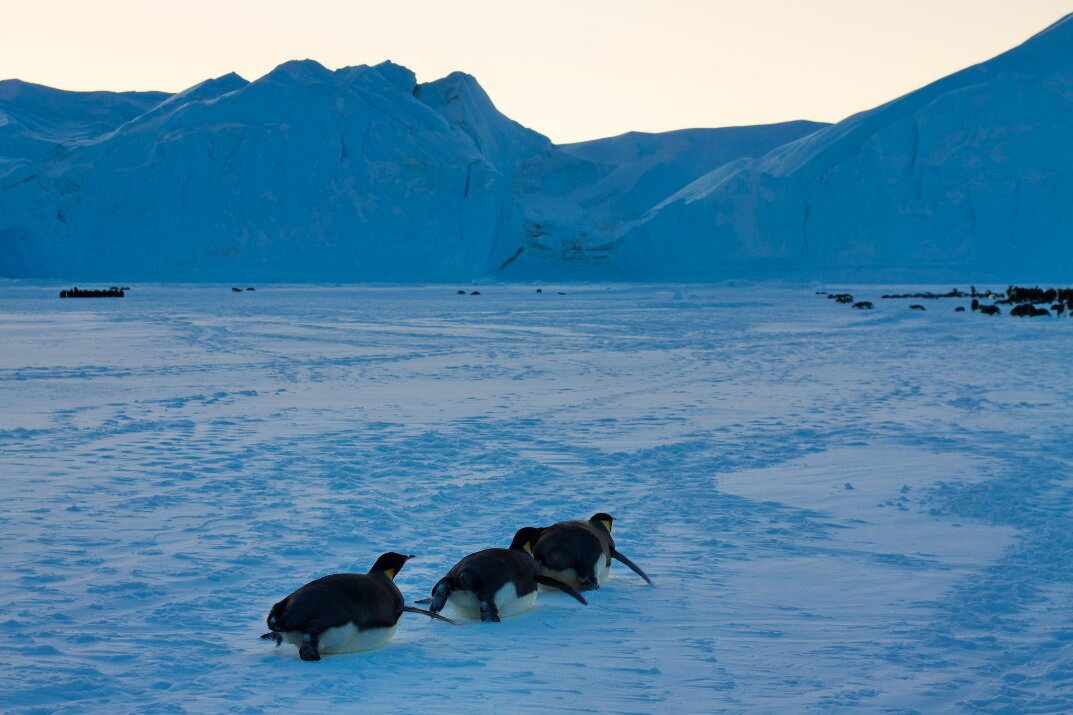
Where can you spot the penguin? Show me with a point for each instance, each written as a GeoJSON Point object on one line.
{"type": "Point", "coordinates": [496, 583]}
{"type": "Point", "coordinates": [343, 612]}
{"type": "Point", "coordinates": [579, 552]}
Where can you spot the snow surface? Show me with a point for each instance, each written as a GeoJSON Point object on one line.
{"type": "Point", "coordinates": [841, 510]}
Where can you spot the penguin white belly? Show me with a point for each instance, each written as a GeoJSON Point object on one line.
{"type": "Point", "coordinates": [602, 569]}
{"type": "Point", "coordinates": [346, 639]}
{"type": "Point", "coordinates": [508, 602]}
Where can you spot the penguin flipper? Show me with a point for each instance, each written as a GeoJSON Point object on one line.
{"type": "Point", "coordinates": [633, 567]}
{"type": "Point", "coordinates": [273, 637]}
{"type": "Point", "coordinates": [423, 612]}
{"type": "Point", "coordinates": [568, 590]}
{"type": "Point", "coordinates": [423, 600]}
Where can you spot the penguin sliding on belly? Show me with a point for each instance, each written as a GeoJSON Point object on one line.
{"type": "Point", "coordinates": [496, 583]}
{"type": "Point", "coordinates": [579, 553]}
{"type": "Point", "coordinates": [343, 612]}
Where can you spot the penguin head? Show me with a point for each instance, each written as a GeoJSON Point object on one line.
{"type": "Point", "coordinates": [525, 539]}
{"type": "Point", "coordinates": [603, 519]}
{"type": "Point", "coordinates": [390, 564]}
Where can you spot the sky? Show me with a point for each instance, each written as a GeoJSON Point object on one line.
{"type": "Point", "coordinates": [571, 69]}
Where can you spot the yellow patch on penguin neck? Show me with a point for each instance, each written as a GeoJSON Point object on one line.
{"type": "Point", "coordinates": [607, 525]}
{"type": "Point", "coordinates": [528, 547]}
{"type": "Point", "coordinates": [391, 573]}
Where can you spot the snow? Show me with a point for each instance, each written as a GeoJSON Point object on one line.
{"type": "Point", "coordinates": [35, 120]}
{"type": "Point", "coordinates": [840, 510]}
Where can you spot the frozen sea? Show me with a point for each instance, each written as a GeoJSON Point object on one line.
{"type": "Point", "coordinates": [841, 510]}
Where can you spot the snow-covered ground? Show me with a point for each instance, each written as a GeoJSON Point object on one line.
{"type": "Point", "coordinates": [840, 509]}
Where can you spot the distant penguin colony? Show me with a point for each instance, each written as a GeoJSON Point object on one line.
{"type": "Point", "coordinates": [1027, 302]}
{"type": "Point", "coordinates": [349, 612]}
{"type": "Point", "coordinates": [539, 291]}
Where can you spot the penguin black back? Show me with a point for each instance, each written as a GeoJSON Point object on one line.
{"type": "Point", "coordinates": [580, 552]}
{"type": "Point", "coordinates": [494, 582]}
{"type": "Point", "coordinates": [342, 612]}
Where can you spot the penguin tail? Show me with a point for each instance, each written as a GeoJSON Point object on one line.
{"type": "Point", "coordinates": [273, 636]}
{"type": "Point", "coordinates": [275, 616]}
{"type": "Point", "coordinates": [440, 592]}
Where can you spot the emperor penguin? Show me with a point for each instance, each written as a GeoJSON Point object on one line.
{"type": "Point", "coordinates": [343, 612]}
{"type": "Point", "coordinates": [496, 583]}
{"type": "Point", "coordinates": [579, 553]}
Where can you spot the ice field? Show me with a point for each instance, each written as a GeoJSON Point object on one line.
{"type": "Point", "coordinates": [841, 510]}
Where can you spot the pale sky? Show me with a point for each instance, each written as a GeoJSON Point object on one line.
{"type": "Point", "coordinates": [571, 69]}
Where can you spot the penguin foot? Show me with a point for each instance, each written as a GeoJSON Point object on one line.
{"type": "Point", "coordinates": [489, 614]}
{"type": "Point", "coordinates": [308, 650]}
